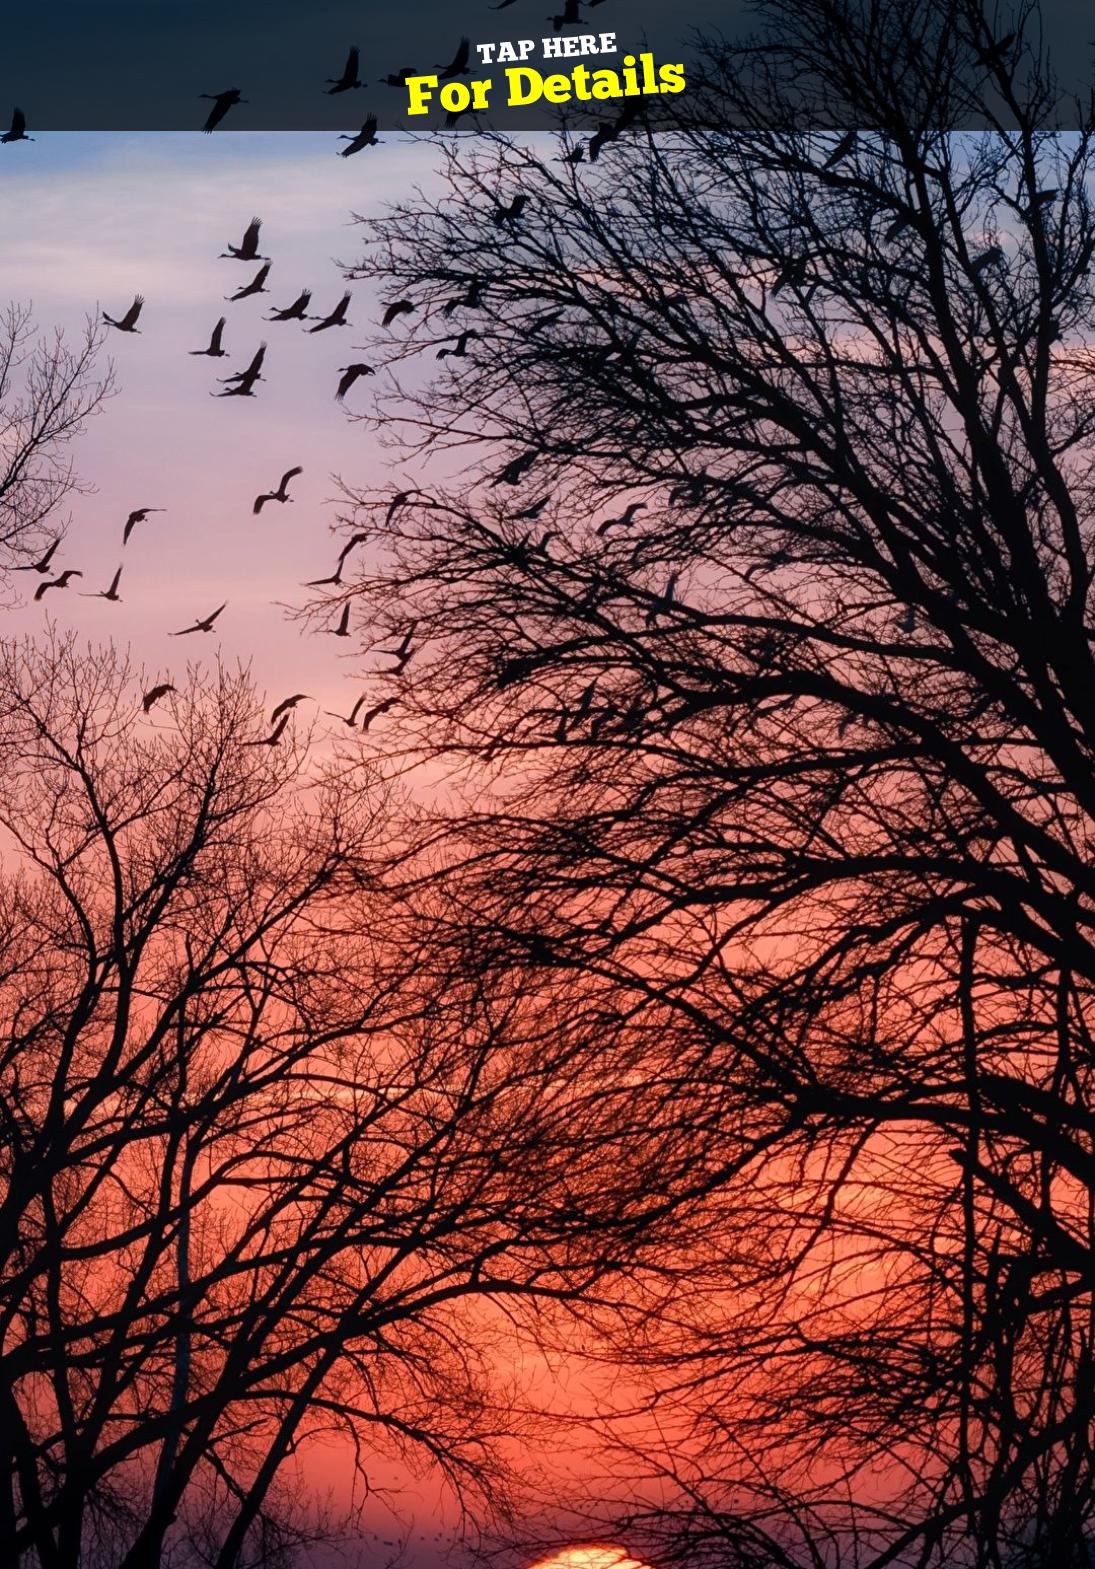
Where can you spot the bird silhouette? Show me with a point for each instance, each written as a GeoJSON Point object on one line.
{"type": "Point", "coordinates": [281, 494]}
{"type": "Point", "coordinates": [18, 131]}
{"type": "Point", "coordinates": [397, 308]}
{"type": "Point", "coordinates": [460, 350]}
{"type": "Point", "coordinates": [348, 375]}
{"type": "Point", "coordinates": [275, 735]}
{"type": "Point", "coordinates": [248, 248]}
{"type": "Point", "coordinates": [990, 258]}
{"type": "Point", "coordinates": [154, 694]}
{"type": "Point", "coordinates": [287, 703]}
{"type": "Point", "coordinates": [256, 286]}
{"type": "Point", "coordinates": [42, 564]}
{"type": "Point", "coordinates": [400, 499]}
{"type": "Point", "coordinates": [215, 351]}
{"type": "Point", "coordinates": [57, 582]}
{"type": "Point", "coordinates": [336, 318]}
{"type": "Point", "coordinates": [505, 4]}
{"type": "Point", "coordinates": [137, 517]}
{"type": "Point", "coordinates": [511, 213]}
{"type": "Point", "coordinates": [403, 654]}
{"type": "Point", "coordinates": [793, 271]}
{"type": "Point", "coordinates": [294, 312]}
{"type": "Point", "coordinates": [343, 628]}
{"type": "Point", "coordinates": [352, 720]}
{"type": "Point", "coordinates": [251, 374]}
{"type": "Point", "coordinates": [349, 78]}
{"type": "Point", "coordinates": [458, 65]}
{"type": "Point", "coordinates": [222, 102]}
{"type": "Point", "coordinates": [533, 512]}
{"type": "Point", "coordinates": [336, 578]}
{"type": "Point", "coordinates": [575, 155]}
{"type": "Point", "coordinates": [401, 78]}
{"type": "Point", "coordinates": [629, 513]}
{"type": "Point", "coordinates": [366, 137]}
{"type": "Point", "coordinates": [469, 302]}
{"type": "Point", "coordinates": [843, 149]}
{"type": "Point", "coordinates": [994, 54]}
{"type": "Point", "coordinates": [608, 133]}
{"type": "Point", "coordinates": [110, 593]}
{"type": "Point", "coordinates": [515, 469]}
{"type": "Point", "coordinates": [375, 712]}
{"type": "Point", "coordinates": [567, 17]}
{"type": "Point", "coordinates": [245, 389]}
{"type": "Point", "coordinates": [128, 322]}
{"type": "Point", "coordinates": [205, 624]}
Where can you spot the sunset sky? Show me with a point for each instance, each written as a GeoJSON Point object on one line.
{"type": "Point", "coordinates": [103, 217]}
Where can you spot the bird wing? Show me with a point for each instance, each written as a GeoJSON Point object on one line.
{"type": "Point", "coordinates": [346, 380]}
{"type": "Point", "coordinates": [210, 619]}
{"type": "Point", "coordinates": [260, 502]}
{"type": "Point", "coordinates": [18, 123]}
{"type": "Point", "coordinates": [368, 130]}
{"type": "Point", "coordinates": [218, 330]}
{"type": "Point", "coordinates": [216, 115]}
{"type": "Point", "coordinates": [288, 475]}
{"type": "Point", "coordinates": [352, 61]}
{"type": "Point", "coordinates": [251, 236]}
{"type": "Point", "coordinates": [356, 709]}
{"type": "Point", "coordinates": [130, 317]}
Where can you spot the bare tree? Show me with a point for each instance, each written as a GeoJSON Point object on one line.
{"type": "Point", "coordinates": [762, 630]}
{"type": "Point", "coordinates": [48, 391]}
{"type": "Point", "coordinates": [264, 1166]}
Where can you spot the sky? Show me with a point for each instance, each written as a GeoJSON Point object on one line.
{"type": "Point", "coordinates": [93, 219]}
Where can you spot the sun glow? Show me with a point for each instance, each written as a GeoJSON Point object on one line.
{"type": "Point", "coordinates": [591, 1556]}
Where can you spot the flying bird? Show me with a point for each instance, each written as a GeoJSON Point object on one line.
{"type": "Point", "coordinates": [375, 713]}
{"type": "Point", "coordinates": [575, 155]}
{"type": "Point", "coordinates": [343, 628]}
{"type": "Point", "coordinates": [348, 375]}
{"type": "Point", "coordinates": [42, 564]}
{"type": "Point", "coordinates": [251, 374]}
{"type": "Point", "coordinates": [461, 349]}
{"type": "Point", "coordinates": [398, 308]}
{"type": "Point", "coordinates": [349, 78]}
{"type": "Point", "coordinates": [994, 54]}
{"type": "Point", "coordinates": [281, 494]}
{"type": "Point", "coordinates": [400, 499]}
{"type": "Point", "coordinates": [222, 102]}
{"type": "Point", "coordinates": [215, 350]}
{"type": "Point", "coordinates": [629, 513]}
{"type": "Point", "coordinates": [337, 317]}
{"type": "Point", "coordinates": [204, 625]}
{"type": "Point", "coordinates": [322, 582]}
{"type": "Point", "coordinates": [366, 137]}
{"type": "Point", "coordinates": [137, 517]}
{"type": "Point", "coordinates": [352, 720]}
{"type": "Point", "coordinates": [401, 78]}
{"type": "Point", "coordinates": [568, 17]}
{"type": "Point", "coordinates": [256, 286]}
{"type": "Point", "coordinates": [402, 655]}
{"type": "Point", "coordinates": [533, 512]}
{"type": "Point", "coordinates": [110, 593]}
{"type": "Point", "coordinates": [18, 131]}
{"type": "Point", "coordinates": [515, 469]}
{"type": "Point", "coordinates": [608, 133]}
{"type": "Point", "coordinates": [513, 211]}
{"type": "Point", "coordinates": [248, 248]}
{"type": "Point", "coordinates": [843, 149]}
{"type": "Point", "coordinates": [275, 735]}
{"type": "Point", "coordinates": [287, 703]}
{"type": "Point", "coordinates": [154, 694]}
{"type": "Point", "coordinates": [57, 582]}
{"type": "Point", "coordinates": [458, 65]}
{"type": "Point", "coordinates": [294, 312]}
{"type": "Point", "coordinates": [990, 258]}
{"type": "Point", "coordinates": [128, 322]}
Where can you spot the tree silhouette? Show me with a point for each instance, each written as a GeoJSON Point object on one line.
{"type": "Point", "coordinates": [787, 767]}
{"type": "Point", "coordinates": [264, 1171]}
{"type": "Point", "coordinates": [48, 391]}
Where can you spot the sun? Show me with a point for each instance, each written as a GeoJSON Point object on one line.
{"type": "Point", "coordinates": [592, 1555]}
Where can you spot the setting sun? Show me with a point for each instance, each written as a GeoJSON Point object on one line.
{"type": "Point", "coordinates": [591, 1556]}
